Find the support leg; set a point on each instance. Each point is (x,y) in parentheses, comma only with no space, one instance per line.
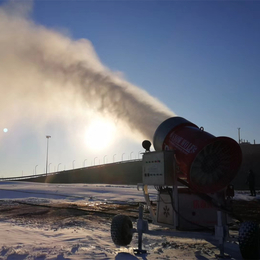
(142,226)
(220,235)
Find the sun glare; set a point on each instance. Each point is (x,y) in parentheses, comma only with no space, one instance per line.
(99,134)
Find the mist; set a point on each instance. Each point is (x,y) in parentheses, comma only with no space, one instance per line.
(45,75)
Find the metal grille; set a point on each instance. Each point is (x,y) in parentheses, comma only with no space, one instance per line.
(213,167)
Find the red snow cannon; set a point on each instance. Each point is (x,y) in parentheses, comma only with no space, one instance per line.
(209,163)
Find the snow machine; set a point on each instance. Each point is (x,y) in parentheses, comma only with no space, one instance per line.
(191,171)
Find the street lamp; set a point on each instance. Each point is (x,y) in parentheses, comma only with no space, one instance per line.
(35,169)
(84,162)
(95,160)
(58,167)
(47,136)
(104,159)
(114,157)
(73,164)
(122,156)
(131,155)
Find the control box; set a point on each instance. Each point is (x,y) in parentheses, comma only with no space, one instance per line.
(158,168)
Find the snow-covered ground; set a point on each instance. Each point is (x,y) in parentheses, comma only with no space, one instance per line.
(86,236)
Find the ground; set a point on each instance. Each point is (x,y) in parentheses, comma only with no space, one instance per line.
(73,222)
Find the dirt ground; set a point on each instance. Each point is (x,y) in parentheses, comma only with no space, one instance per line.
(59,213)
(247,210)
(57,217)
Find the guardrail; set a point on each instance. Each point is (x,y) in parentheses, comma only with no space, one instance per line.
(18,178)
(26,177)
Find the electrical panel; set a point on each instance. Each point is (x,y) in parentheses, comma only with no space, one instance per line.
(194,212)
(165,213)
(158,168)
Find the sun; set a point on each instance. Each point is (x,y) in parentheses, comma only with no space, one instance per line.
(99,134)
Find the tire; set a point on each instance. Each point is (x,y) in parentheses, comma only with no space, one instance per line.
(121,230)
(249,240)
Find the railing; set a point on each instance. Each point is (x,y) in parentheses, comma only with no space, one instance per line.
(26,177)
(71,170)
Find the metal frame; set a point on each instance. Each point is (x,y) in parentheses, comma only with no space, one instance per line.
(220,236)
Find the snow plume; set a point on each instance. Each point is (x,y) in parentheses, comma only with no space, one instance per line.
(45,75)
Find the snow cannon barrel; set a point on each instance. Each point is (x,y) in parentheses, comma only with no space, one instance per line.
(209,163)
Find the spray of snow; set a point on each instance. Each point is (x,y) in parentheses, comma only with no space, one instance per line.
(45,75)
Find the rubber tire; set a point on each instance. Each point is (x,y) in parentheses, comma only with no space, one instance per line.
(121,230)
(249,240)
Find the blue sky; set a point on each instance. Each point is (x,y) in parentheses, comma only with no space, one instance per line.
(199,58)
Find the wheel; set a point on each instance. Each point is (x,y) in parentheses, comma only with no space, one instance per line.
(121,230)
(249,240)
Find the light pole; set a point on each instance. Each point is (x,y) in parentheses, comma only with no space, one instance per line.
(95,160)
(131,155)
(58,167)
(49,167)
(238,134)
(114,157)
(35,169)
(84,162)
(104,159)
(73,164)
(47,136)
(122,156)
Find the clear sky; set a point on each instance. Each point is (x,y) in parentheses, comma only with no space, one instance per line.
(201,59)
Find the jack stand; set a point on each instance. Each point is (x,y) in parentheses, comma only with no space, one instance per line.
(142,226)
